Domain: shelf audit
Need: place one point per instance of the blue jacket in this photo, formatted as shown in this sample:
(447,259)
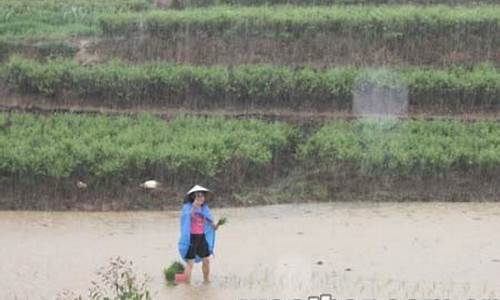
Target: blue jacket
(185,234)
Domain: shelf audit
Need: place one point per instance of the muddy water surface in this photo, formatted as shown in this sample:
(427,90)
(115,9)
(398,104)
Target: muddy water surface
(355,250)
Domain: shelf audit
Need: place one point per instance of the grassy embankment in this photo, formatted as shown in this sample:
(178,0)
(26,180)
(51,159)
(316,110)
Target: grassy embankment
(327,53)
(47,28)
(318,36)
(314,35)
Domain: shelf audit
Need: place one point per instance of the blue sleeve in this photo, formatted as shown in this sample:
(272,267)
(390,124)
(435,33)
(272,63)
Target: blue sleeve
(185,236)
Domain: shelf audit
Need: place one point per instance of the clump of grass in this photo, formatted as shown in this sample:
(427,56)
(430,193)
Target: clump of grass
(174,268)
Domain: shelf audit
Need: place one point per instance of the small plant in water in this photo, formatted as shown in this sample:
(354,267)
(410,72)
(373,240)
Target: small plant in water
(118,281)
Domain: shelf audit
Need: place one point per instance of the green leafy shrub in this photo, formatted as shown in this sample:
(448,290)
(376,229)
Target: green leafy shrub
(404,147)
(369,21)
(114,147)
(118,84)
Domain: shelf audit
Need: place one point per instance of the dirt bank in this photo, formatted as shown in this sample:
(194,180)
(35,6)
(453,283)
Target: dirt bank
(321,50)
(294,187)
(26,103)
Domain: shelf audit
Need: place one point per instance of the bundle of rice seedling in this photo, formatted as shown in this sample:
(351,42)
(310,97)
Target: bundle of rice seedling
(222,221)
(175,268)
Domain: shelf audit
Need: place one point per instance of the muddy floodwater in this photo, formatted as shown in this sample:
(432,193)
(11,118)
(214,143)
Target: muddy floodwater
(350,250)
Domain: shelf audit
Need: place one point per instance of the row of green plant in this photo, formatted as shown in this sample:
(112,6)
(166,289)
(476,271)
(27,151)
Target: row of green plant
(409,147)
(196,3)
(116,83)
(466,30)
(65,145)
(13,7)
(60,17)
(57,17)
(296,21)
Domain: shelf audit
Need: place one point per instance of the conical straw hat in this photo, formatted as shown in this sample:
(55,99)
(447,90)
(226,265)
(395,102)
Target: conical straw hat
(198,188)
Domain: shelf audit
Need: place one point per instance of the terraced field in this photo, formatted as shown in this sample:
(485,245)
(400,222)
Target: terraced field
(236,57)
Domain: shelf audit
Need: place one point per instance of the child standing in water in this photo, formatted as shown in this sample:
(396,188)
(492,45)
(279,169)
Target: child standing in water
(197,238)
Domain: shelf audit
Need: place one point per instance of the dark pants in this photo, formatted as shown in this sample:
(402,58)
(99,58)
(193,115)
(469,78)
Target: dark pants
(198,246)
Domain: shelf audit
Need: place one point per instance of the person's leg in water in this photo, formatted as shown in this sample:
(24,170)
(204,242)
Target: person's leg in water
(206,269)
(188,270)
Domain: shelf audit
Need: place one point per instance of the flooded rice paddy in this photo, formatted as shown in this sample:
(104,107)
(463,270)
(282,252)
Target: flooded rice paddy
(350,250)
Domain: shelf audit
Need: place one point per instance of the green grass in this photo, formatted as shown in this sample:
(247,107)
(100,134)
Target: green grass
(195,3)
(57,18)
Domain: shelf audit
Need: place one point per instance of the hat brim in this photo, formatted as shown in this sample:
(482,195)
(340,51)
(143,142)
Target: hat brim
(208,195)
(198,188)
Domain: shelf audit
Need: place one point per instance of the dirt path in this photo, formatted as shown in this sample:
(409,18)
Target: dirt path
(26,104)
